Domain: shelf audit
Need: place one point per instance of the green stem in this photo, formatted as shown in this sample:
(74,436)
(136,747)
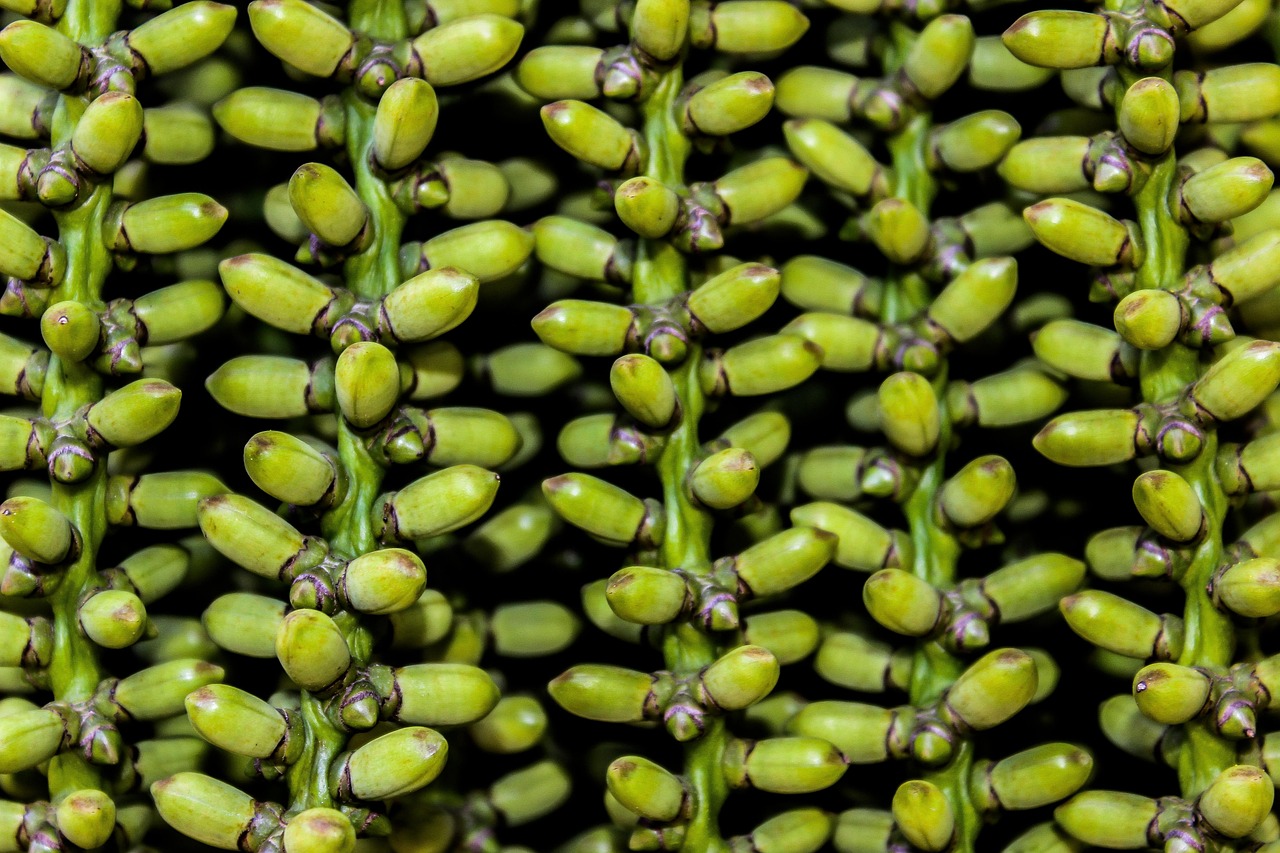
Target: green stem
(660,274)
(935,550)
(348,527)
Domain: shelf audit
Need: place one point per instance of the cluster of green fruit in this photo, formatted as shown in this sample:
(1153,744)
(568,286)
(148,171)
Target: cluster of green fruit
(329,698)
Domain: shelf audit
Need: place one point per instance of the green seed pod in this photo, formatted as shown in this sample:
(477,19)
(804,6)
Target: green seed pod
(86,818)
(1131,730)
(462,435)
(1225,191)
(764,434)
(1168,503)
(176,135)
(203,808)
(476,189)
(28,738)
(301,35)
(134,413)
(902,602)
(1098,437)
(1057,38)
(815,284)
(783,765)
(1171,694)
(784,560)
(391,765)
(1084,234)
(863,831)
(24,103)
(168,223)
(608,513)
(181,36)
(467,48)
(761,366)
(975,142)
(1108,818)
(994,688)
(311,648)
(487,250)
(745,26)
(26,255)
(441,694)
(510,538)
(734,298)
(113,618)
(1230,28)
(383,582)
(994,68)
(938,56)
(1118,625)
(436,369)
(179,311)
(645,788)
(71,330)
(1148,115)
(728,104)
(106,133)
(427,305)
(645,390)
(561,71)
(978,491)
(836,158)
(850,660)
(278,293)
(647,206)
(848,344)
(25,642)
(899,230)
(923,815)
(437,503)
(1237,801)
(592,136)
(1083,350)
(1039,776)
(274,119)
(796,831)
(1004,399)
(320,830)
(760,189)
(530,793)
(245,623)
(659,27)
(740,677)
(42,54)
(1032,585)
(583,327)
(326,203)
(909,413)
(1239,381)
(1048,165)
(241,723)
(1250,588)
(367,383)
(36,530)
(725,479)
(973,300)
(428,620)
(647,596)
(1232,93)
(609,694)
(158,691)
(790,635)
(1247,269)
(291,470)
(255,538)
(404,123)
(515,724)
(532,629)
(861,543)
(529,370)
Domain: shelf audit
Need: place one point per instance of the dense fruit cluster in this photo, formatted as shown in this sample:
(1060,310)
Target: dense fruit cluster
(506,425)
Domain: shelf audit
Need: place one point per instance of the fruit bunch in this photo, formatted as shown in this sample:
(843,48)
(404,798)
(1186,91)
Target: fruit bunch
(589,427)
